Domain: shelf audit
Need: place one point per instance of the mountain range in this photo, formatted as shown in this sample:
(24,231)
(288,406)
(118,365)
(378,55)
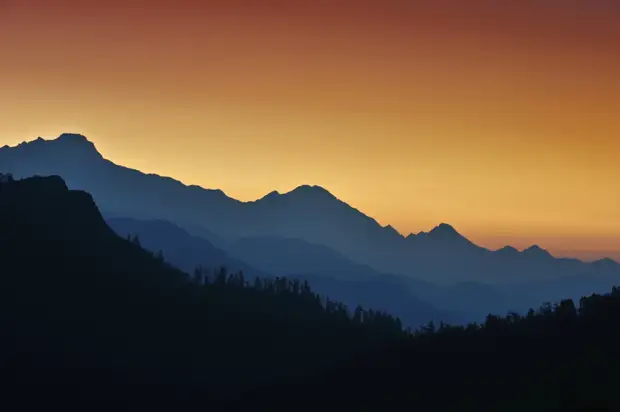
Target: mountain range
(97,315)
(308,232)
(329,273)
(308,212)
(102,318)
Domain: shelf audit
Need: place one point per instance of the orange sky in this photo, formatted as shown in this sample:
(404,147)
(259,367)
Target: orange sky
(503,120)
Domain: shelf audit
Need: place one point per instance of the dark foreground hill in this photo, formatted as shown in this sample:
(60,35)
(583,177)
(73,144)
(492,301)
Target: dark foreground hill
(88,312)
(561,358)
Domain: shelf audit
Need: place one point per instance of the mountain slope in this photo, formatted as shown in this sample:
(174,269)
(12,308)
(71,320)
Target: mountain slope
(86,315)
(84,308)
(180,248)
(118,191)
(330,274)
(309,212)
(560,358)
(335,276)
(285,256)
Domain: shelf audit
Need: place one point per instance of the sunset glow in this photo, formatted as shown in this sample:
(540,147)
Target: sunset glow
(502,120)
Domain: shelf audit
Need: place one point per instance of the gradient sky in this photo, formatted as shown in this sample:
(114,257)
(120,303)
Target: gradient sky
(501,118)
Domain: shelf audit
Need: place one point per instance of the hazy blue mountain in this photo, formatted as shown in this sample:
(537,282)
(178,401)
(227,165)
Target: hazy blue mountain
(180,248)
(118,191)
(80,306)
(284,257)
(309,213)
(336,276)
(329,273)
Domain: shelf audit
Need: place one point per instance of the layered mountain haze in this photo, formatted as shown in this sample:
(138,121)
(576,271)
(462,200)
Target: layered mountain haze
(99,315)
(310,213)
(182,249)
(333,275)
(257,205)
(284,256)
(330,274)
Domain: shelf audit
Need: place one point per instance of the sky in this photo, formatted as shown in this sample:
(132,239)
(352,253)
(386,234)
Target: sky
(500,118)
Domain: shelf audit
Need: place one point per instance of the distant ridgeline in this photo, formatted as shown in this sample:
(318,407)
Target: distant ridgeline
(95,313)
(308,213)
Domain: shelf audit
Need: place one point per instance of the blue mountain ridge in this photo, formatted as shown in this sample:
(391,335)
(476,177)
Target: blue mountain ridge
(421,262)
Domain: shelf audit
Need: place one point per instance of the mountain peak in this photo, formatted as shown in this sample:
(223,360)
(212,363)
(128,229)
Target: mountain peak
(444,230)
(315,190)
(536,250)
(608,262)
(270,195)
(41,154)
(508,250)
(71,137)
(76,143)
(392,230)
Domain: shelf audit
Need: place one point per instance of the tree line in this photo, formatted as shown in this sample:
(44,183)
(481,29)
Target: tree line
(96,314)
(561,356)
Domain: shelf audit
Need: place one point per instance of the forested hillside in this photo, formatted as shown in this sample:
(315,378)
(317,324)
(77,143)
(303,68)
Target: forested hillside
(562,357)
(92,310)
(85,313)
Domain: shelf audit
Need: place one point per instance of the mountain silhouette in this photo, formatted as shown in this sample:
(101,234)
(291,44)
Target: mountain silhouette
(537,252)
(444,231)
(182,249)
(94,317)
(283,257)
(91,316)
(87,311)
(330,274)
(338,277)
(508,251)
(114,187)
(310,213)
